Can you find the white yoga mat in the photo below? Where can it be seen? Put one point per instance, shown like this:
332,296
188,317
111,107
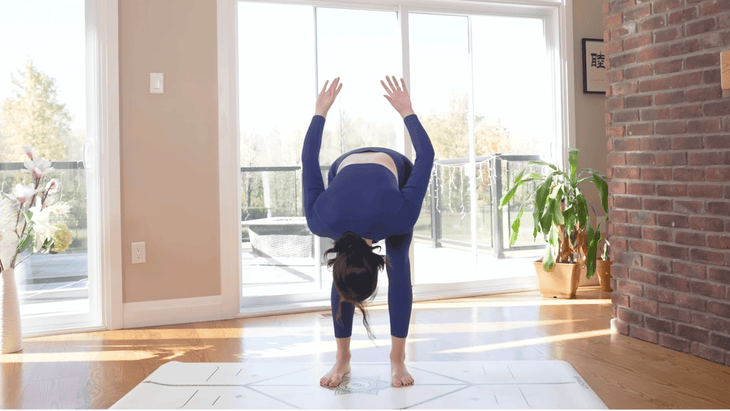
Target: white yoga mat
439,385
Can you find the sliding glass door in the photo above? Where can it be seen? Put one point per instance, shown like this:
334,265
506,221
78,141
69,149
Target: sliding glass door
484,83
49,100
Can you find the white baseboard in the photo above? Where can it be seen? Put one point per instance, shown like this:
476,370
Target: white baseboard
177,311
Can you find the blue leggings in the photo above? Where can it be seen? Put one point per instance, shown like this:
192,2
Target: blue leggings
400,294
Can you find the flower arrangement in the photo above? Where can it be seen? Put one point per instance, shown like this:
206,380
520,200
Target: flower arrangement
32,215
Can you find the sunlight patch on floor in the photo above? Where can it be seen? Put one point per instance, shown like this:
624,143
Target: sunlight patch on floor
528,342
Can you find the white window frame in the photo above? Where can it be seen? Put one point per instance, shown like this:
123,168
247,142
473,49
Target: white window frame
558,17
102,84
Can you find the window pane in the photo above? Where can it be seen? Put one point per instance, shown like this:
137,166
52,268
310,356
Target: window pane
43,92
439,50
277,91
512,100
513,109
275,81
361,47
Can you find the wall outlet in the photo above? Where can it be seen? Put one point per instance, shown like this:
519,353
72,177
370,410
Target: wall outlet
139,253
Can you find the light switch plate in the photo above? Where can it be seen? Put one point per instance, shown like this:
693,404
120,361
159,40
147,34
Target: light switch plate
157,83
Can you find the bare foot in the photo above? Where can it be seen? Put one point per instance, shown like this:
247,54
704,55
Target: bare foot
333,378
399,372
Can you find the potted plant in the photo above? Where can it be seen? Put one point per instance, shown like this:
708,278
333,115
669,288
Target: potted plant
561,213
603,267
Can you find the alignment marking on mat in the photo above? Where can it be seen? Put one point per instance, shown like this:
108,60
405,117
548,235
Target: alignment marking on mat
282,375
495,399
435,398
510,372
445,376
191,397
211,375
272,397
239,371
523,396
216,400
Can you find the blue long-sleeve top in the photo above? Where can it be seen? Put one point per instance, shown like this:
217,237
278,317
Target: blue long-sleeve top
365,198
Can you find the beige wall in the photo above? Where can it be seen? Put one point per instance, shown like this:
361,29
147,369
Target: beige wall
169,148
590,109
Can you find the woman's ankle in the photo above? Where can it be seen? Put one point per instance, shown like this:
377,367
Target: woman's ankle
397,357
343,357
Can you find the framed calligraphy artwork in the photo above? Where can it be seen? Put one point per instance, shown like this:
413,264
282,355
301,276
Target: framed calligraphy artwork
594,66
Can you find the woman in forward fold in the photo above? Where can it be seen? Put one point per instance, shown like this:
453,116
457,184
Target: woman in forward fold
374,193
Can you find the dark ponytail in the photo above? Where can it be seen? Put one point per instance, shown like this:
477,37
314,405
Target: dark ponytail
355,272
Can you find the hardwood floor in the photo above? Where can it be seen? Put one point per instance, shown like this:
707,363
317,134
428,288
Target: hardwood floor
94,370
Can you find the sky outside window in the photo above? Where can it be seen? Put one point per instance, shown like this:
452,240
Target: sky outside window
52,34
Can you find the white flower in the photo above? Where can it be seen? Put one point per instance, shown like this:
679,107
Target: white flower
42,225
39,167
53,186
28,150
23,193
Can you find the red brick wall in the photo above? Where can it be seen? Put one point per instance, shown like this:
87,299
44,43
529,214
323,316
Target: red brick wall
668,136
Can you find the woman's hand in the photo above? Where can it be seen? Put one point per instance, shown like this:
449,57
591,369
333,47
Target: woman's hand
397,97
327,97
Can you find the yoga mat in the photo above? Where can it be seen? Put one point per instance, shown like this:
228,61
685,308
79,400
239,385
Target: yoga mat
439,385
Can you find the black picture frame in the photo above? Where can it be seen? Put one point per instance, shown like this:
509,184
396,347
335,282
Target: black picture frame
594,69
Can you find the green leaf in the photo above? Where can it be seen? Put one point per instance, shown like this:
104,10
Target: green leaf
516,226
47,244
519,175
557,193
553,239
543,163
548,262
573,160
541,195
582,210
546,221
556,213
594,237
536,223
569,217
507,197
602,187
24,242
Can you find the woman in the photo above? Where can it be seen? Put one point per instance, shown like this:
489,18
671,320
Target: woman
374,193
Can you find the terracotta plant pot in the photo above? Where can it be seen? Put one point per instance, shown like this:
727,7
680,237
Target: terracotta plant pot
603,271
561,282
584,281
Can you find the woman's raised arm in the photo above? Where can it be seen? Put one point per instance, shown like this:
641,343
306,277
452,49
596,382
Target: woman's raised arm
312,183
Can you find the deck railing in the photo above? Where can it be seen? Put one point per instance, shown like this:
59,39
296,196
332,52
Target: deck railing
494,176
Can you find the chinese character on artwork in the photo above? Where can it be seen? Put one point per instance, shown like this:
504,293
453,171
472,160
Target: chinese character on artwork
595,65
597,60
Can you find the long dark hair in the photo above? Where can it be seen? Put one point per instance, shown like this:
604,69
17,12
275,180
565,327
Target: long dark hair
355,272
